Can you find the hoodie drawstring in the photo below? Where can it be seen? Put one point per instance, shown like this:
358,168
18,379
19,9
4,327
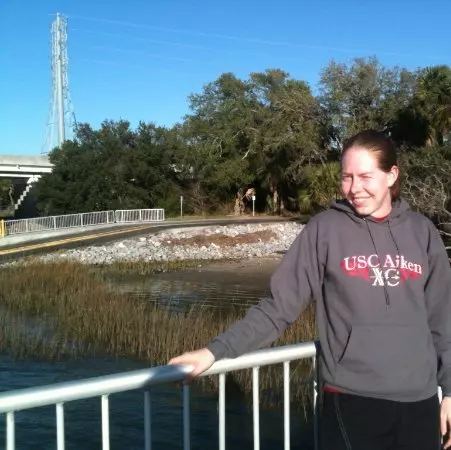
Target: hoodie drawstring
393,238
387,297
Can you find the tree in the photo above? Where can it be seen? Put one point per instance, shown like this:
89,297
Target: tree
266,134
321,185
288,134
426,181
111,168
213,160
364,95
432,100
6,198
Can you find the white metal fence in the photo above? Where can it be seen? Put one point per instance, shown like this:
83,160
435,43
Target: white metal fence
50,223
139,215
102,387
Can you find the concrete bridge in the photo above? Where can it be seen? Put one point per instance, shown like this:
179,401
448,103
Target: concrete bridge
23,171
13,166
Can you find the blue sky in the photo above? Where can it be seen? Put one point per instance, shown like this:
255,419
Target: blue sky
140,59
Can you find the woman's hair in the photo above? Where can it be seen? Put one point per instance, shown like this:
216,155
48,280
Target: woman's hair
383,149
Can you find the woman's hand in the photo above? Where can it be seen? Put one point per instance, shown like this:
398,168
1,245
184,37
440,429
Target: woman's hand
201,359
445,420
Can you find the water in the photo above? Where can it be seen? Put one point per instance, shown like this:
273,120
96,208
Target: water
36,429
223,286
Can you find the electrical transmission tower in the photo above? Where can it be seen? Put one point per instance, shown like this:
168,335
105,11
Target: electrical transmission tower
61,115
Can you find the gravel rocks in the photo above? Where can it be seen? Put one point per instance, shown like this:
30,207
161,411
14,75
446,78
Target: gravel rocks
199,243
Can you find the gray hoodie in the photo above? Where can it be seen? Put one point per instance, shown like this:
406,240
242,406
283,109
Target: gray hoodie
383,303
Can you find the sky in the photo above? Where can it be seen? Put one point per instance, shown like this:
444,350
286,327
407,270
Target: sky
139,60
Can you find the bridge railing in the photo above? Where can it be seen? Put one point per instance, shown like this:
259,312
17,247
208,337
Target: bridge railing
49,223
103,387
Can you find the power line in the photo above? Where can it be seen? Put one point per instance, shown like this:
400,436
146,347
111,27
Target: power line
242,39
135,66
185,45
140,52
137,38
179,30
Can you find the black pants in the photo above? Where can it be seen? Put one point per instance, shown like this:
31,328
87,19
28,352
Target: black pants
350,422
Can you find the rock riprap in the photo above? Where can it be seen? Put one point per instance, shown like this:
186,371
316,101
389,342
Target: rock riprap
199,243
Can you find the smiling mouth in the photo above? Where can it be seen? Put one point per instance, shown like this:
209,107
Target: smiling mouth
359,201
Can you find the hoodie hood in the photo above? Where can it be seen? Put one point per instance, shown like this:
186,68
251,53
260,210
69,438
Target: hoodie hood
398,213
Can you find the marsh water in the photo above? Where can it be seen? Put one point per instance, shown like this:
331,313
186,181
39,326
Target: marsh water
209,286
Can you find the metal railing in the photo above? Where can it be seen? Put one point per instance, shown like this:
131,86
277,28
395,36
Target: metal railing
102,387
49,223
139,215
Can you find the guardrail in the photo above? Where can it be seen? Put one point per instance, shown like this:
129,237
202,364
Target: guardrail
102,387
49,223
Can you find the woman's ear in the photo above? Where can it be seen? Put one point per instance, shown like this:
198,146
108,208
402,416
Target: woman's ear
393,175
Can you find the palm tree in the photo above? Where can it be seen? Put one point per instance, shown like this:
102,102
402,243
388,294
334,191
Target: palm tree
433,99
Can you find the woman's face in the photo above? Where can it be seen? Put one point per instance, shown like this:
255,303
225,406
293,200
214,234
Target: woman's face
364,185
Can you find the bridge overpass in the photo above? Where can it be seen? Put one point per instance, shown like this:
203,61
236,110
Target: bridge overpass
24,165
23,171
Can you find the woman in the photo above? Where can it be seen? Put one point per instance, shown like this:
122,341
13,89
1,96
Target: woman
379,275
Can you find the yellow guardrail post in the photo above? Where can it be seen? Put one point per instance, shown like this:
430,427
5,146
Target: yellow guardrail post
3,229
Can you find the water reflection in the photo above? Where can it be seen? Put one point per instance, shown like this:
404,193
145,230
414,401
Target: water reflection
181,292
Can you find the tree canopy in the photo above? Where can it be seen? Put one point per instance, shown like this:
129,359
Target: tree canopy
268,132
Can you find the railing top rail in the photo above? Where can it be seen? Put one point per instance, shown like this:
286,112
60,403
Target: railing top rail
274,355
92,387
141,209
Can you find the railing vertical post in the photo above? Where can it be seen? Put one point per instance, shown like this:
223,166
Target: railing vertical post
60,426
54,222
81,219
222,441
286,405
10,432
256,407
105,424
186,424
147,422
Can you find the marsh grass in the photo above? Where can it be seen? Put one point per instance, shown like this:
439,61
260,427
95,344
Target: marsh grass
65,310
